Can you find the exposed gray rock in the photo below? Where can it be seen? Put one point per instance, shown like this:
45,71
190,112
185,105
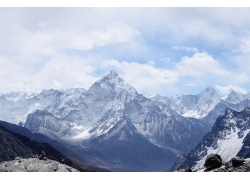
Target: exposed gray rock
34,165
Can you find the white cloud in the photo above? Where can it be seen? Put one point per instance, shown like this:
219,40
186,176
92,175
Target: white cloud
49,47
199,69
111,34
59,72
244,45
165,59
144,77
189,49
201,65
225,89
190,84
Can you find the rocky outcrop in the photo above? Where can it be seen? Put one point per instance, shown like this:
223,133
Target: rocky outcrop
213,164
237,161
34,165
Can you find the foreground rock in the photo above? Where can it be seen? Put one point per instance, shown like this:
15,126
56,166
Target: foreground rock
213,161
213,164
34,165
237,161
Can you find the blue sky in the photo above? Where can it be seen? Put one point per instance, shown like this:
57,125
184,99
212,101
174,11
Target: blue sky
162,50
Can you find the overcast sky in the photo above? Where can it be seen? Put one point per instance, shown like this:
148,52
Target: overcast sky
162,50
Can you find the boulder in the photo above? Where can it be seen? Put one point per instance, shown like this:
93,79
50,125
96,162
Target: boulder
213,161
237,161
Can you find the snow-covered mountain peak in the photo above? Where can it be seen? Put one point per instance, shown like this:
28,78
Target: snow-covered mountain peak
209,94
114,72
233,97
210,91
114,83
19,95
112,77
74,90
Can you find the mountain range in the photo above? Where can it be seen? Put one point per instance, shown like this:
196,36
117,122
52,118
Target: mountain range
118,127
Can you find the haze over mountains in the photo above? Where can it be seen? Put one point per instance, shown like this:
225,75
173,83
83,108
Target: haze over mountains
116,125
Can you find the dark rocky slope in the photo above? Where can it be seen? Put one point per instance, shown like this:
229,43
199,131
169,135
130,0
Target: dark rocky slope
16,145
84,161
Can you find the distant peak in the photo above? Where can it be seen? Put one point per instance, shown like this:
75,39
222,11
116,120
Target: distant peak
209,88
111,78
231,91
112,75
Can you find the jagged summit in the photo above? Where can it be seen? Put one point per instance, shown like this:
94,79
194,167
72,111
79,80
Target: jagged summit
233,97
112,82
113,71
210,90
112,77
210,93
112,74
